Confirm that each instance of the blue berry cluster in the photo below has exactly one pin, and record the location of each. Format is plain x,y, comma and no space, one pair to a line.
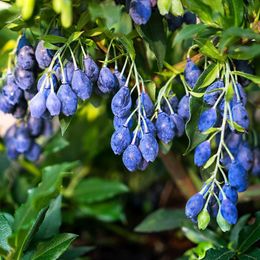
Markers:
225,120
20,138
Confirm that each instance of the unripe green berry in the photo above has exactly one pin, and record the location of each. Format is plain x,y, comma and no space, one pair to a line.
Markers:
203,219
224,226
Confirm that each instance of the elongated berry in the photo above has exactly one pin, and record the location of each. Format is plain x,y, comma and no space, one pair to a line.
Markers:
229,211
132,157
184,107
35,126
106,81
212,93
207,119
245,156
26,58
237,177
140,11
240,115
37,104
147,104
191,73
149,147
230,193
42,55
120,140
53,104
91,68
24,78
179,124
194,205
33,154
23,140
202,153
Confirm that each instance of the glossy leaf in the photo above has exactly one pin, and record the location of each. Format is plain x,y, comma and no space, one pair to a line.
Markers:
219,254
253,78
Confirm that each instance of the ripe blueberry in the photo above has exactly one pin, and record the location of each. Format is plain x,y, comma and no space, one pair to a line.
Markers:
194,206
149,147
140,11
207,119
202,153
228,211
132,157
120,140
106,81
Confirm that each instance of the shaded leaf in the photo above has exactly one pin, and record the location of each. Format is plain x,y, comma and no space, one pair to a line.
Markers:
219,254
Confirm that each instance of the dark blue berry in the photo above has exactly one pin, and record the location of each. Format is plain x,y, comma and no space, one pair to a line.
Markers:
211,95
184,107
245,156
149,147
148,126
42,55
244,66
191,73
228,211
179,124
91,68
23,140
12,93
33,154
120,140
233,141
35,126
207,119
121,78
121,102
230,193
68,72
37,104
20,109
53,104
5,106
25,79
81,84
46,82
240,115
173,103
132,157
165,127
194,206
106,81
23,41
202,153
147,104
140,11
68,99
237,176
25,58
120,121
174,22
189,18
143,165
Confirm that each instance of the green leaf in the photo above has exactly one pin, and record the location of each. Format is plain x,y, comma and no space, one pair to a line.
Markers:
53,248
75,252
208,49
219,254
50,46
236,12
252,255
236,126
83,20
96,189
153,32
234,234
196,94
52,221
161,220
64,123
249,235
194,135
210,161
177,8
107,211
189,31
128,45
165,148
74,36
30,214
55,145
5,230
244,52
253,78
52,39
230,92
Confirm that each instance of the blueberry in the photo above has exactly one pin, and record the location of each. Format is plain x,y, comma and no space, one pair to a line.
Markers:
173,100
237,177
68,99
5,106
230,193
149,147
48,81
179,124
256,162
245,156
37,104
132,157
240,115
211,95
191,73
120,121
25,79
244,66
20,109
149,128
140,11
233,141
207,119
42,55
143,165
121,102
91,68
184,107
194,206
242,95
120,139
226,160
121,78
47,128
189,18
12,93
165,127
25,58
106,81
53,104
11,151
23,140
23,41
174,22
147,104
202,153
33,154
35,126
68,72
81,84
228,211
